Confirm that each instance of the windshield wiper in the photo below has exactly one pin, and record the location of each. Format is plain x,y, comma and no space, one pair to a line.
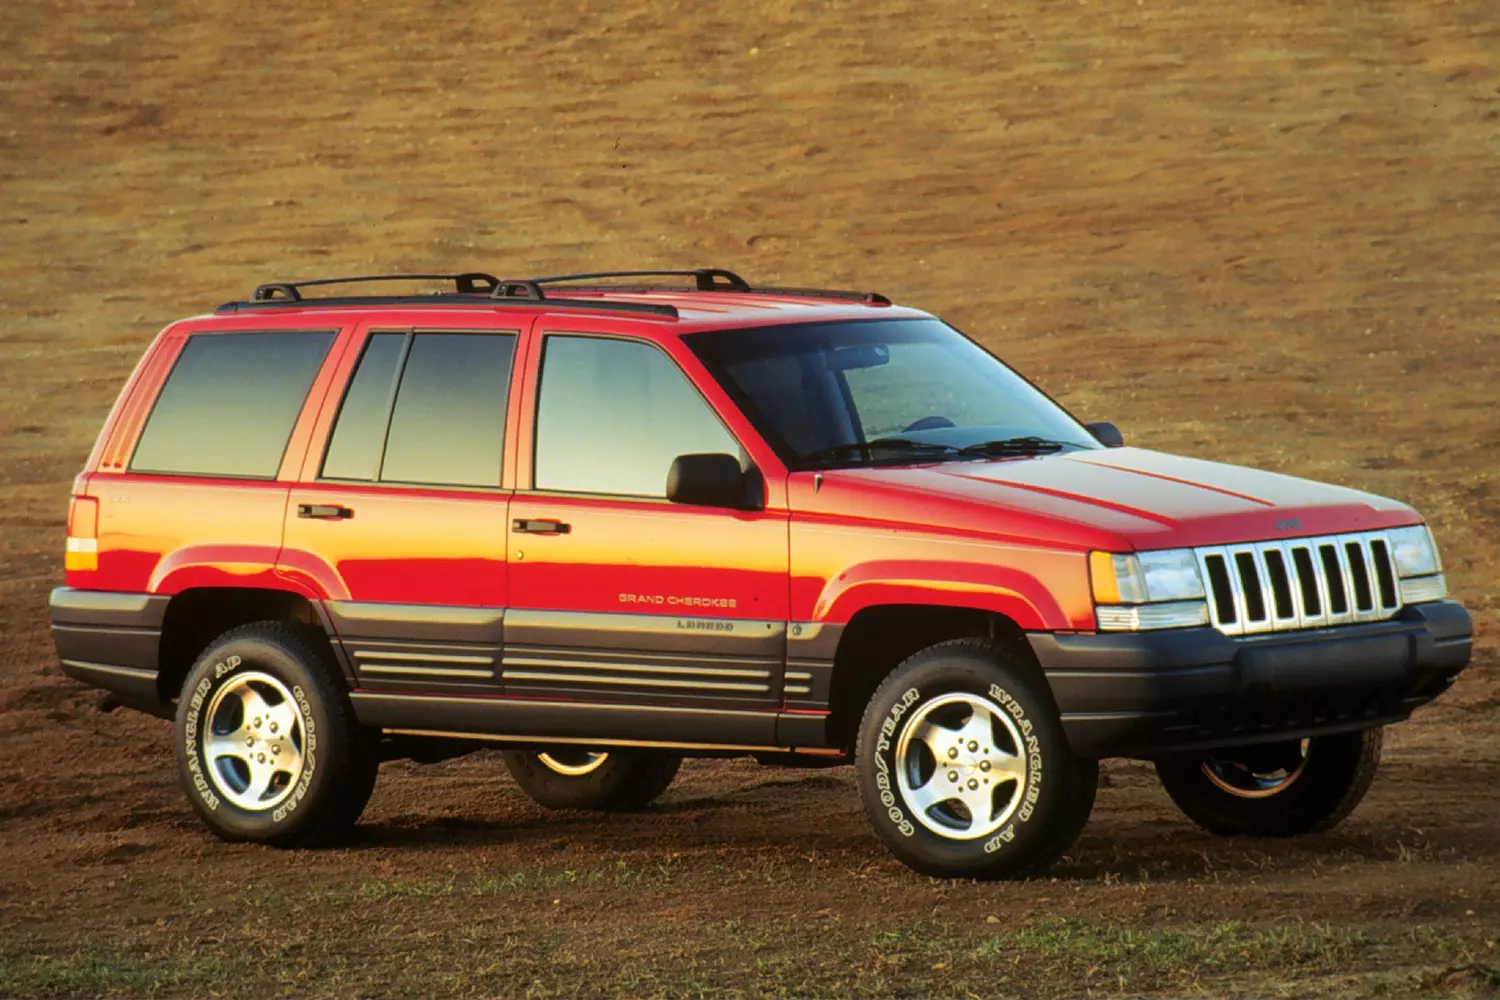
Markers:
863,449
1014,447
1006,447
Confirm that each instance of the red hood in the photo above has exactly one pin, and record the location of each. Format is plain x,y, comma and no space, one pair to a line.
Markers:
1147,499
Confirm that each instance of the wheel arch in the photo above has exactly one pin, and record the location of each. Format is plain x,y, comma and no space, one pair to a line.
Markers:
197,615
879,638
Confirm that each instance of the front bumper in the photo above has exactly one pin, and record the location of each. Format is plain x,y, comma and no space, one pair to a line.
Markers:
1143,694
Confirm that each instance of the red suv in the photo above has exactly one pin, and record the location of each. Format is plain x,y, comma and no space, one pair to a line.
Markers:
607,522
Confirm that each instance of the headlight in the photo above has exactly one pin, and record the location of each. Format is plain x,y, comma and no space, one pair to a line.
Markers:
1167,579
1414,551
1417,564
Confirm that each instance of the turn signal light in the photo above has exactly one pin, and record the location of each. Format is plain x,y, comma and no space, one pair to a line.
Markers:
82,553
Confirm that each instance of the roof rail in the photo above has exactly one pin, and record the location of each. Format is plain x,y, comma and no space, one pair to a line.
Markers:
291,291
707,279
514,302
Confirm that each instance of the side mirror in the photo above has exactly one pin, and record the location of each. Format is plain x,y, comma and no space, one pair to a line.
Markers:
710,480
1106,434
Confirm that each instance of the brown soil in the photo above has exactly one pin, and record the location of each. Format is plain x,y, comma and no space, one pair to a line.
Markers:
1261,232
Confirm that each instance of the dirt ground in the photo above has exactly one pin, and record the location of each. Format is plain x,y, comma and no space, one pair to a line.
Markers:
1264,232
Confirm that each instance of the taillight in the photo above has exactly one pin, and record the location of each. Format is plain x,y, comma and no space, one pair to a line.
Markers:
83,535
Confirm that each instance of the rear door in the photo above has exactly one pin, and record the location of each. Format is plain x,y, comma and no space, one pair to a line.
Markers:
616,594
400,516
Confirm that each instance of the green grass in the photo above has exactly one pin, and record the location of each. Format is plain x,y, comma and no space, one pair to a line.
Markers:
97,971
617,876
473,937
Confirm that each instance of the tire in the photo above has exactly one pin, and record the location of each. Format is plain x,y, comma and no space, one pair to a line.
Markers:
1277,790
607,781
939,706
307,767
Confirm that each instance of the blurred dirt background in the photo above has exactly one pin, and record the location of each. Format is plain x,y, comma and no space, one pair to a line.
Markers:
1265,232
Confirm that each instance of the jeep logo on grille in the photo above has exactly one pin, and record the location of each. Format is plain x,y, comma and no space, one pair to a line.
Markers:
1289,524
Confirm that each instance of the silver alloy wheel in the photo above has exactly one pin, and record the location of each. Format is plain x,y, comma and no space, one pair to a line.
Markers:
961,766
254,741
1240,781
573,763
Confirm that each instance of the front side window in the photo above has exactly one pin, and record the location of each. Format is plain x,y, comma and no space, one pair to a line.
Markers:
882,391
425,408
228,407
613,414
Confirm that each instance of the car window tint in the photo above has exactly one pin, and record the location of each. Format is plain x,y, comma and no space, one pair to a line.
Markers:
613,414
228,407
359,435
448,423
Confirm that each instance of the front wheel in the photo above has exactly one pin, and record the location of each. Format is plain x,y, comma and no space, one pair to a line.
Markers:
1282,789
579,778
963,767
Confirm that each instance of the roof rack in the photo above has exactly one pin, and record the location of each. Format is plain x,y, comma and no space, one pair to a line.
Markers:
709,279
291,291
706,279
469,285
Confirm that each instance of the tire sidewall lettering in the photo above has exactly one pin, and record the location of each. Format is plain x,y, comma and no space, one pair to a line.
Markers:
310,758
888,796
1032,748
196,760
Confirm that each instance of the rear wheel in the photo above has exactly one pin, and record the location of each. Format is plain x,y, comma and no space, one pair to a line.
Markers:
268,747
1282,789
963,767
581,778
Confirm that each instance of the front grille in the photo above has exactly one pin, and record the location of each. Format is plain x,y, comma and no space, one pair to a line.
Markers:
1300,583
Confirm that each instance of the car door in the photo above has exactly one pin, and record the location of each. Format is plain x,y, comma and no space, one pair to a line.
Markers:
401,517
616,594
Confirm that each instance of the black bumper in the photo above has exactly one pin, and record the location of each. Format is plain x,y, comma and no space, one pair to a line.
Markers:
1142,694
111,641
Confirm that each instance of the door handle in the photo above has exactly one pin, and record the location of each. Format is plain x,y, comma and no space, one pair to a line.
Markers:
523,526
324,511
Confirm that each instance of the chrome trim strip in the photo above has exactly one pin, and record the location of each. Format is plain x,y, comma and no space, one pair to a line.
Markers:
696,685
381,670
591,665
375,654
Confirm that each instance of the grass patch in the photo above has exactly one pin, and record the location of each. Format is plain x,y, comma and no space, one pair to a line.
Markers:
617,876
1229,946
95,972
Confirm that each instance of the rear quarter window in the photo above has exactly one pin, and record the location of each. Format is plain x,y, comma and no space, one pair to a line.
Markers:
229,404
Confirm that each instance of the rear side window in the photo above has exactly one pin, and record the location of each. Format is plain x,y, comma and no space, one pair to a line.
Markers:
425,408
612,416
228,407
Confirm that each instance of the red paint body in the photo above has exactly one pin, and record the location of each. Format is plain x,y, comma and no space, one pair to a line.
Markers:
1006,535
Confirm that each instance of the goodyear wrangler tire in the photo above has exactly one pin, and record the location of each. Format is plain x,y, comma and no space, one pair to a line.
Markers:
963,767
1283,789
576,778
268,747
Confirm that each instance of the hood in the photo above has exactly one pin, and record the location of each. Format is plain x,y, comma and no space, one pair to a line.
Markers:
1145,499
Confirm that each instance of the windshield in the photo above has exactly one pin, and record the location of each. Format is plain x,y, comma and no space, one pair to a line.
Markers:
882,392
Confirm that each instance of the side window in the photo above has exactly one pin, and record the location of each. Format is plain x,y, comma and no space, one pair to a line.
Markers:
425,408
611,416
228,407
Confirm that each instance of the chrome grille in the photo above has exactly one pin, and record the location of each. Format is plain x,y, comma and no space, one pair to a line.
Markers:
1300,583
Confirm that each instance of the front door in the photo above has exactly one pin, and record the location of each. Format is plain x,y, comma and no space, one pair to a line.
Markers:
401,519
616,594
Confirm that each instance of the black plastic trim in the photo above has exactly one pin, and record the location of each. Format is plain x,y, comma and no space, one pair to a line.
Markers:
544,719
72,606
